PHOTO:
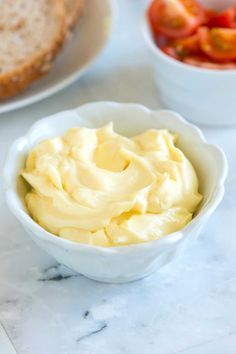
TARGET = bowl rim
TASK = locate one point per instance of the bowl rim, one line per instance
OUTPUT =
(12, 197)
(146, 31)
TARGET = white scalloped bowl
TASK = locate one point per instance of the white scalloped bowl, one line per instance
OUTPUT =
(125, 263)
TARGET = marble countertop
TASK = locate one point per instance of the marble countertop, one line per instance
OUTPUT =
(188, 307)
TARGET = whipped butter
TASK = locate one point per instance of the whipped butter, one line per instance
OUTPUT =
(97, 187)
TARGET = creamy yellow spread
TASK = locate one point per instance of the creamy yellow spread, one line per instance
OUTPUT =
(97, 187)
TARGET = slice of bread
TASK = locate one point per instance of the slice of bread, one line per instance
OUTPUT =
(73, 12)
(31, 34)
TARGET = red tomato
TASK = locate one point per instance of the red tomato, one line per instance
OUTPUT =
(203, 62)
(161, 41)
(175, 18)
(171, 52)
(209, 15)
(218, 43)
(182, 47)
(186, 46)
(226, 19)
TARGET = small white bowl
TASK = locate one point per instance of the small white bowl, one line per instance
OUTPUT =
(203, 96)
(126, 263)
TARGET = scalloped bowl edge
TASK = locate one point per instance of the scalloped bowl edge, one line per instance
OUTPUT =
(114, 264)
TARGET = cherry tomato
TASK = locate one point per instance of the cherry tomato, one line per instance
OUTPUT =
(175, 18)
(210, 14)
(171, 52)
(225, 19)
(204, 62)
(186, 46)
(161, 41)
(218, 43)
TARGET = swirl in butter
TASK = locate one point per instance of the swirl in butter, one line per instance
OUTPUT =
(97, 187)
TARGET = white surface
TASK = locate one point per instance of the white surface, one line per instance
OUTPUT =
(188, 307)
(85, 44)
(5, 343)
(201, 95)
(127, 263)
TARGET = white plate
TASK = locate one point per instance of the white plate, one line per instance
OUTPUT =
(86, 44)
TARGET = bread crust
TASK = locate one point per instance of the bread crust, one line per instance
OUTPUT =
(73, 17)
(18, 79)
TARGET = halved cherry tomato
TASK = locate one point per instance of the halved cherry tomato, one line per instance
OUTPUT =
(218, 43)
(171, 52)
(161, 41)
(175, 18)
(225, 19)
(186, 46)
(182, 47)
(209, 15)
(203, 62)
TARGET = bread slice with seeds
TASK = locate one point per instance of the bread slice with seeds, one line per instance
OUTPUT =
(74, 9)
(31, 34)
